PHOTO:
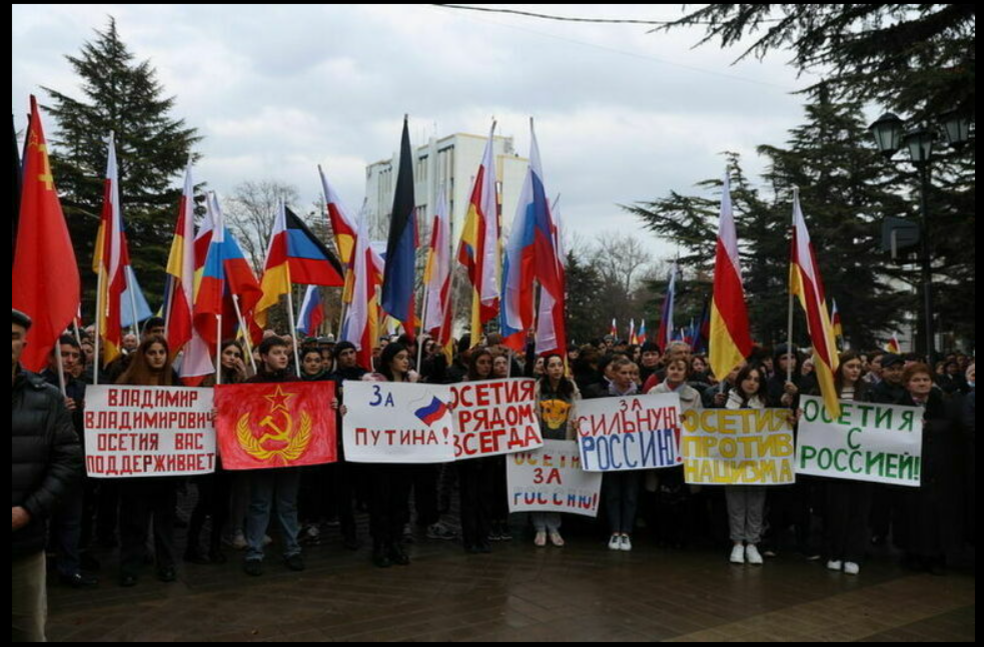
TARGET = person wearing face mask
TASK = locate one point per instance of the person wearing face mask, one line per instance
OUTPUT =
(930, 524)
(154, 498)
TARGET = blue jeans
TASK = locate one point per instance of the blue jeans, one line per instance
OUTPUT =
(268, 487)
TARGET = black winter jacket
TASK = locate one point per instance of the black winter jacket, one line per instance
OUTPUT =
(46, 456)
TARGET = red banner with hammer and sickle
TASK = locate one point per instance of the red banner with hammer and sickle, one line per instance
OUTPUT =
(275, 424)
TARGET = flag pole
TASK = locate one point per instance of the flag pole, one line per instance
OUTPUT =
(293, 328)
(243, 327)
(61, 368)
(133, 299)
(218, 349)
(78, 335)
(97, 358)
(789, 337)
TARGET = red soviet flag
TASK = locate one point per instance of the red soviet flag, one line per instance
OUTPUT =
(45, 280)
(275, 424)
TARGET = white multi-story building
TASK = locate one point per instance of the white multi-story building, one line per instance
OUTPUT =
(451, 162)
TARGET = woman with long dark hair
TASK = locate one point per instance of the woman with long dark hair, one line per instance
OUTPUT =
(476, 476)
(389, 506)
(556, 398)
(148, 498)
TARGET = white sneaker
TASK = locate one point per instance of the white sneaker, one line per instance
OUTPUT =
(540, 539)
(834, 565)
(556, 539)
(752, 555)
(625, 543)
(614, 543)
(738, 554)
(851, 568)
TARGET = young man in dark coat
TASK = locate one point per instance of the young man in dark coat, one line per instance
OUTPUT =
(46, 461)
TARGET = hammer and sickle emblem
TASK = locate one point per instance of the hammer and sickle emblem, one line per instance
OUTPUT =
(281, 435)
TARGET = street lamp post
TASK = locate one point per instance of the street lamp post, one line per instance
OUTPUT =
(890, 136)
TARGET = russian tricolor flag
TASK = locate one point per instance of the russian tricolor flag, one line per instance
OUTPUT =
(312, 314)
(432, 412)
(225, 268)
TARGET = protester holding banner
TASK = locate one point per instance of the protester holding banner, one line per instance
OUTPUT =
(476, 476)
(556, 397)
(886, 509)
(746, 503)
(389, 483)
(46, 462)
(148, 499)
(930, 531)
(279, 485)
(222, 494)
(848, 502)
(621, 488)
(673, 496)
(314, 496)
(792, 505)
(345, 477)
(71, 524)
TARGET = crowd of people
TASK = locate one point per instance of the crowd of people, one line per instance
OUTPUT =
(60, 512)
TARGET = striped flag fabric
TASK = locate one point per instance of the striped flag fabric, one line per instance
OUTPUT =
(196, 362)
(805, 282)
(665, 333)
(730, 340)
(401, 246)
(479, 247)
(437, 279)
(312, 312)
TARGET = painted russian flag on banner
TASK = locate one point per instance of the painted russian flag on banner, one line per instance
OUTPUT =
(432, 412)
(312, 313)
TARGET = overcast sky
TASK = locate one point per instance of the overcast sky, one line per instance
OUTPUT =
(621, 115)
